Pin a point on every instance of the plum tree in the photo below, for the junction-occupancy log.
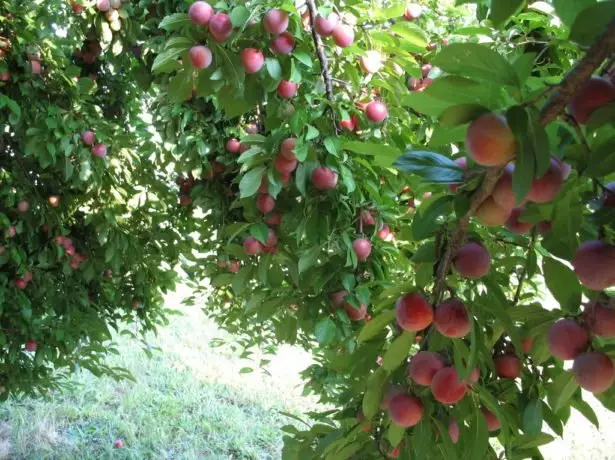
(276, 139)
(472, 261)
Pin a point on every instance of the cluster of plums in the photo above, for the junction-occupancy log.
(76, 258)
(569, 339)
(89, 138)
(110, 9)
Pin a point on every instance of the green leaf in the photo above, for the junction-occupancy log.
(591, 22)
(563, 284)
(175, 21)
(502, 10)
(241, 278)
(385, 154)
(432, 167)
(562, 240)
(308, 258)
(532, 417)
(602, 160)
(476, 61)
(274, 69)
(413, 35)
(478, 436)
(568, 10)
(461, 114)
(527, 442)
(373, 394)
(166, 61)
(586, 410)
(561, 390)
(260, 231)
(251, 182)
(525, 164)
(239, 16)
(325, 331)
(460, 90)
(377, 324)
(427, 217)
(395, 433)
(180, 87)
(398, 351)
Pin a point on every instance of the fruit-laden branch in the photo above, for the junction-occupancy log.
(322, 58)
(602, 48)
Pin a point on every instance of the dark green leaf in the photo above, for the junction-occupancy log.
(591, 22)
(532, 417)
(431, 167)
(461, 114)
(325, 331)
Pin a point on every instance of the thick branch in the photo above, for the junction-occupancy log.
(322, 58)
(602, 48)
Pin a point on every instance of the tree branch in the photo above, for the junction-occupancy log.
(322, 58)
(602, 48)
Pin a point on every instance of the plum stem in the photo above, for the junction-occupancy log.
(322, 58)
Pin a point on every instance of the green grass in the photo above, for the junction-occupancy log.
(189, 402)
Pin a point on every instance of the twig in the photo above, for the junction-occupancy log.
(577, 128)
(602, 48)
(524, 271)
(322, 58)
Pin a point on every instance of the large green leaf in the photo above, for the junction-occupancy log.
(431, 167)
(398, 351)
(563, 283)
(476, 61)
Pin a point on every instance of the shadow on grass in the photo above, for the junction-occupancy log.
(189, 402)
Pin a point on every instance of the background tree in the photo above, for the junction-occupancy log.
(415, 278)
